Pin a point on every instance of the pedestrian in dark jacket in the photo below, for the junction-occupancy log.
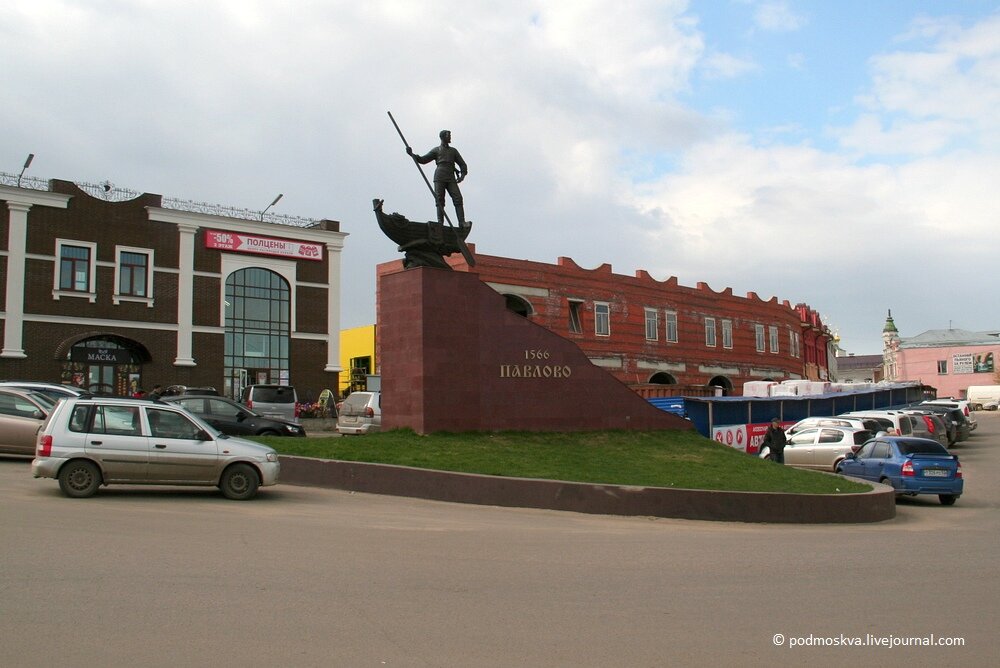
(775, 439)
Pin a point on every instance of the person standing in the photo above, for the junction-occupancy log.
(775, 440)
(155, 394)
(446, 176)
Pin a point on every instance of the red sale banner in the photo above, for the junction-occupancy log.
(246, 243)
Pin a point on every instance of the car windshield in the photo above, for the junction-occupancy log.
(44, 399)
(921, 448)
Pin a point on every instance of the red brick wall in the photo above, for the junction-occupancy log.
(629, 296)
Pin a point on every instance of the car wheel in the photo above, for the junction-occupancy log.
(79, 479)
(268, 432)
(886, 481)
(239, 482)
(948, 499)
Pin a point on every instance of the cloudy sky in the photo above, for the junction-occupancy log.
(841, 154)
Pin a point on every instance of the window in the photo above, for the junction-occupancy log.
(133, 275)
(942, 366)
(793, 343)
(258, 325)
(652, 324)
(575, 324)
(11, 404)
(727, 333)
(671, 317)
(710, 332)
(116, 420)
(602, 319)
(168, 424)
(75, 269)
(759, 332)
(773, 335)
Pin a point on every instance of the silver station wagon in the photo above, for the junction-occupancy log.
(94, 441)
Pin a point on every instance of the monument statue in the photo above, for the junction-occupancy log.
(446, 177)
(426, 244)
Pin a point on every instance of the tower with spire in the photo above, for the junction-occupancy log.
(890, 344)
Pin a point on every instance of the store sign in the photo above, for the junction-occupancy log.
(961, 363)
(100, 355)
(247, 243)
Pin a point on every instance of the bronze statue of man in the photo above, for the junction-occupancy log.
(446, 176)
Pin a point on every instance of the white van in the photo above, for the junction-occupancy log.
(983, 397)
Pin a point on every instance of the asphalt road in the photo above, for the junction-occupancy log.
(312, 577)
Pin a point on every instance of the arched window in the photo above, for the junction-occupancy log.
(724, 383)
(663, 378)
(518, 305)
(258, 327)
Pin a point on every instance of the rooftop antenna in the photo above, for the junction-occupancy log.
(280, 195)
(27, 163)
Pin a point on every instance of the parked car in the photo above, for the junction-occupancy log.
(274, 401)
(54, 391)
(22, 413)
(909, 465)
(360, 413)
(231, 417)
(961, 405)
(87, 442)
(959, 424)
(821, 447)
(934, 423)
(870, 424)
(894, 423)
(178, 390)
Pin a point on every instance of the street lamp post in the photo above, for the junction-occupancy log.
(280, 195)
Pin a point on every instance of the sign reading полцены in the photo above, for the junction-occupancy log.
(247, 243)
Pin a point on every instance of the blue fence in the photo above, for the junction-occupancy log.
(708, 412)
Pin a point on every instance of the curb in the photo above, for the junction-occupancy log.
(692, 504)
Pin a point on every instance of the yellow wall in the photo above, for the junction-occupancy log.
(356, 342)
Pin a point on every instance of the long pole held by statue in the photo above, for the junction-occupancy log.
(466, 253)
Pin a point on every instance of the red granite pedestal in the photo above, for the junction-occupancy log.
(454, 358)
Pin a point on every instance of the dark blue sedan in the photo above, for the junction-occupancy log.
(909, 465)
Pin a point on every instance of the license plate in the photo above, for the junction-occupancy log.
(935, 473)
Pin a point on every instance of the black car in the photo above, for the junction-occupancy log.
(231, 417)
(958, 425)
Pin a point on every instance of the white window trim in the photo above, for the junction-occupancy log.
(714, 338)
(117, 297)
(727, 334)
(772, 336)
(759, 338)
(597, 319)
(91, 293)
(655, 322)
(667, 317)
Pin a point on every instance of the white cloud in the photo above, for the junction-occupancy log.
(567, 113)
(777, 16)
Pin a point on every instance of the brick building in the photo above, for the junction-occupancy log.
(646, 331)
(112, 290)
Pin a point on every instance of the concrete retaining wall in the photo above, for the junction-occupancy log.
(692, 504)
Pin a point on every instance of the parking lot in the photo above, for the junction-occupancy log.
(317, 577)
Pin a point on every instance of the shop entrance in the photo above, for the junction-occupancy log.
(106, 364)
